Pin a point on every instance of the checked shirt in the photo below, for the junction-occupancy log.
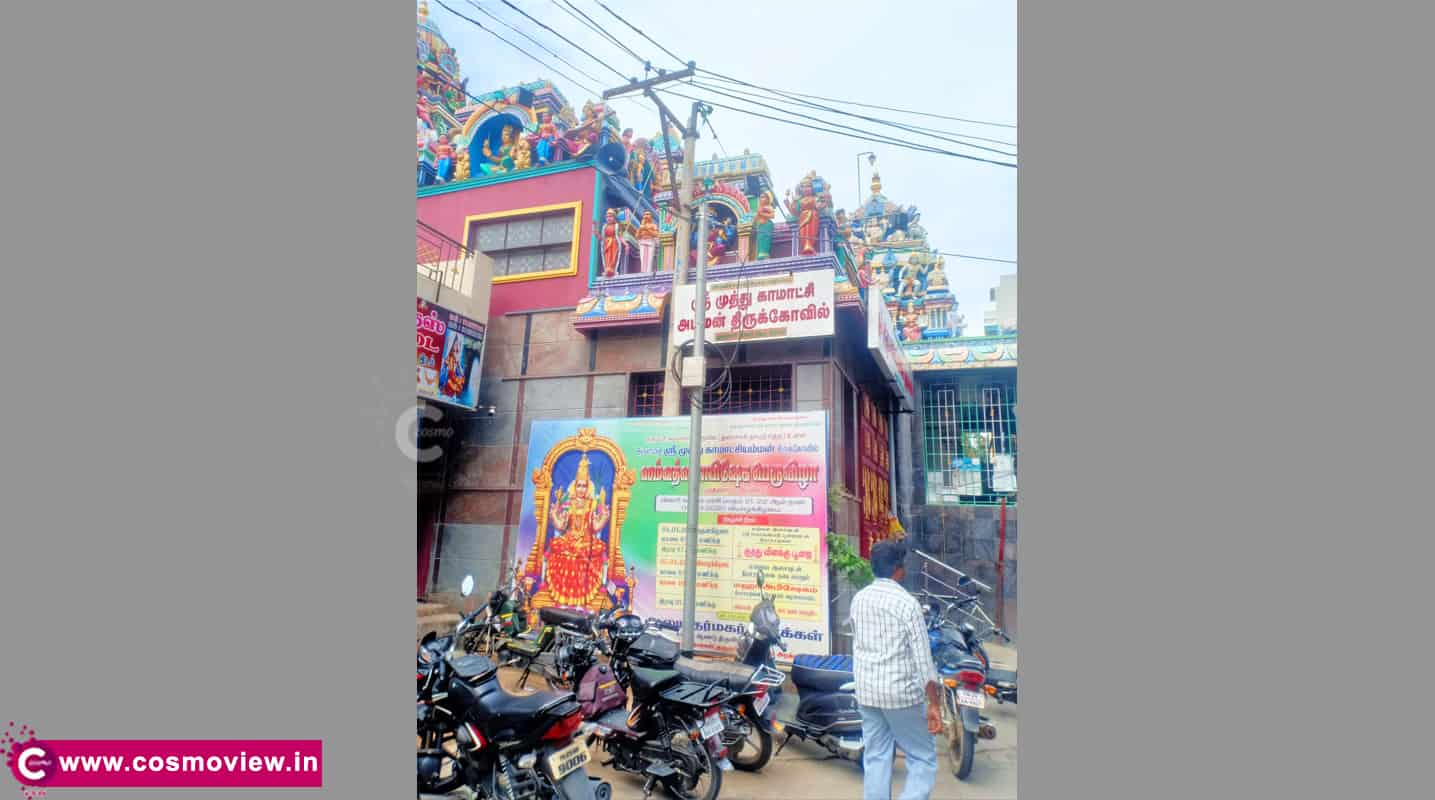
(891, 656)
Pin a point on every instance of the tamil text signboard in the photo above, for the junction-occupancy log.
(450, 349)
(793, 305)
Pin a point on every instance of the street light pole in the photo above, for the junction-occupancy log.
(695, 441)
(871, 159)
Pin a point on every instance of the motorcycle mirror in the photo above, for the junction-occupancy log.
(466, 588)
(965, 580)
(759, 579)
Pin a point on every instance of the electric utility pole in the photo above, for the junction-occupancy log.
(694, 372)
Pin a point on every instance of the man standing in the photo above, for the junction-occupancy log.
(892, 664)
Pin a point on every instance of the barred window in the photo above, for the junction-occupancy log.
(533, 243)
(645, 394)
(748, 390)
(969, 440)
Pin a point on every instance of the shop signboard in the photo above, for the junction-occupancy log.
(792, 305)
(890, 357)
(450, 351)
(604, 521)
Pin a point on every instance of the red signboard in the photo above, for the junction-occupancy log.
(874, 471)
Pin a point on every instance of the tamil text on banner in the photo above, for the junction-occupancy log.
(792, 305)
(604, 521)
(450, 350)
(882, 341)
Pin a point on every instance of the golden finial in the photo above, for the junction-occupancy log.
(876, 183)
(423, 10)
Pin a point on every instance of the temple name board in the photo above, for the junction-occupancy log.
(792, 305)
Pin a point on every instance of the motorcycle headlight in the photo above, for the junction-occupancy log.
(751, 629)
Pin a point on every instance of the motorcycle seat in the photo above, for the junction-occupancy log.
(473, 668)
(723, 673)
(570, 618)
(821, 673)
(646, 681)
(523, 647)
(502, 710)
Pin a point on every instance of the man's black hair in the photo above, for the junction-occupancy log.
(887, 556)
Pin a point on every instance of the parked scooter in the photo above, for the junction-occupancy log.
(963, 698)
(500, 746)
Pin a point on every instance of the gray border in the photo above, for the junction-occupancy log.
(1212, 273)
(207, 341)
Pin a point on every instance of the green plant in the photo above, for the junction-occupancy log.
(847, 562)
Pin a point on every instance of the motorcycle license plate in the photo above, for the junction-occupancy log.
(568, 759)
(761, 703)
(971, 699)
(712, 726)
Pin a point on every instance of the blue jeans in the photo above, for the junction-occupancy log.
(907, 728)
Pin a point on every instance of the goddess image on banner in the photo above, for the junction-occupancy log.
(603, 521)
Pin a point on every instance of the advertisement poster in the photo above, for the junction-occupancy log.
(794, 305)
(1003, 473)
(450, 349)
(969, 476)
(604, 521)
(874, 475)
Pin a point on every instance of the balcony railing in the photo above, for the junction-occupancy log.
(440, 258)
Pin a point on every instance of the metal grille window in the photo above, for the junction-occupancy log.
(645, 394)
(748, 390)
(969, 440)
(518, 245)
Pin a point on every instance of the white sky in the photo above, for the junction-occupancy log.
(952, 57)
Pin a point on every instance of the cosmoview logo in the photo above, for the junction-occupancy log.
(34, 763)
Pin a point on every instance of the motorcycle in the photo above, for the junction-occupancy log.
(963, 677)
(503, 616)
(673, 734)
(749, 718)
(499, 746)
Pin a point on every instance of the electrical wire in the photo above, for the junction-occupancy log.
(575, 45)
(935, 134)
(873, 105)
(837, 124)
(578, 14)
(540, 61)
(545, 48)
(639, 31)
(872, 138)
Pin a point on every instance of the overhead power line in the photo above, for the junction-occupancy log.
(575, 45)
(577, 13)
(711, 88)
(873, 105)
(545, 64)
(545, 48)
(639, 31)
(869, 136)
(950, 136)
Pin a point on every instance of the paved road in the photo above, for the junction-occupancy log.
(804, 772)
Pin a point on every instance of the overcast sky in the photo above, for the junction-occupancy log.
(951, 57)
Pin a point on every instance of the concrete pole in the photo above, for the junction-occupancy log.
(695, 447)
(672, 390)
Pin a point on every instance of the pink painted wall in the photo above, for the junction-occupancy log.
(447, 212)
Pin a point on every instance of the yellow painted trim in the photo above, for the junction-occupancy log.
(572, 269)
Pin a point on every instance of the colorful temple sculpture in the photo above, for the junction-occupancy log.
(463, 136)
(889, 246)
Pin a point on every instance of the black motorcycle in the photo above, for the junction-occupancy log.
(749, 717)
(472, 733)
(672, 736)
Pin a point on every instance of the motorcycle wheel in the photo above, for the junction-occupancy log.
(752, 752)
(961, 744)
(694, 758)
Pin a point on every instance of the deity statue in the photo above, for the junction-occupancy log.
(423, 111)
(647, 241)
(911, 325)
(913, 284)
(522, 154)
(461, 170)
(640, 168)
(864, 271)
(547, 138)
(805, 209)
(762, 226)
(502, 161)
(628, 141)
(444, 166)
(573, 565)
(612, 244)
(937, 278)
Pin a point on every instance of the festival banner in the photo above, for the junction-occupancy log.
(450, 350)
(792, 305)
(604, 521)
